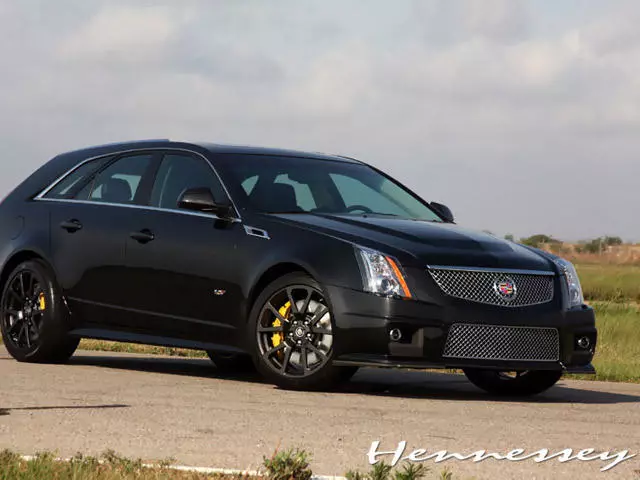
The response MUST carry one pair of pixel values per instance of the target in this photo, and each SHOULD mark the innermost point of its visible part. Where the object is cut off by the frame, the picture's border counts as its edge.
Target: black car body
(175, 244)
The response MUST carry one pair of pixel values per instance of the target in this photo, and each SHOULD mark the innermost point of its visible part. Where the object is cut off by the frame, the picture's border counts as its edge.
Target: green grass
(618, 350)
(106, 346)
(292, 464)
(610, 283)
(108, 467)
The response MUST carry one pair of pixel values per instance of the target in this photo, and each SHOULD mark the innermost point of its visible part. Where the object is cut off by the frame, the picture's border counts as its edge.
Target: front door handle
(71, 226)
(143, 236)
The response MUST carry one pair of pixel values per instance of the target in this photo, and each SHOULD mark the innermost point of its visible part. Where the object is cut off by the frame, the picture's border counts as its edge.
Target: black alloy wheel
(33, 318)
(294, 335)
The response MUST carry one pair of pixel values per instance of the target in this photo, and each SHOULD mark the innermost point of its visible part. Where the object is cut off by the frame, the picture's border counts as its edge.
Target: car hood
(426, 243)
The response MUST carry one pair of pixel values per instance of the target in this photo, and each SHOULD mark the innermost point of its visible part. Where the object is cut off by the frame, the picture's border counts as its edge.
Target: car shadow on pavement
(368, 381)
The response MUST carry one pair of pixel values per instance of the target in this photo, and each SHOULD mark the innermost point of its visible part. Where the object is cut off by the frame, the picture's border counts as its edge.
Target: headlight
(570, 276)
(381, 274)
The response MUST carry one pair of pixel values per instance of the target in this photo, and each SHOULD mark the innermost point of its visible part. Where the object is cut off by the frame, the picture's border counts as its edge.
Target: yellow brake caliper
(42, 302)
(278, 337)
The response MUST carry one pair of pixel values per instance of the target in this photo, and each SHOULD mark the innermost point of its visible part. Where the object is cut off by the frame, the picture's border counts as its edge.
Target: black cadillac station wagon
(306, 266)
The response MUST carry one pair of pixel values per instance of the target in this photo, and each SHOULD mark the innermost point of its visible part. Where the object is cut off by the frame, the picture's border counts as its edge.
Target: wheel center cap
(28, 310)
(299, 332)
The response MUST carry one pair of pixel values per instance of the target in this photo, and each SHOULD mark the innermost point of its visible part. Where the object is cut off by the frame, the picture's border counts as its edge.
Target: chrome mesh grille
(481, 286)
(497, 342)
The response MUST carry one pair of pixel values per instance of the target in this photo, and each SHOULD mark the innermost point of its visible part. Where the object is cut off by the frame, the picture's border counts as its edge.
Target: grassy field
(618, 351)
(610, 283)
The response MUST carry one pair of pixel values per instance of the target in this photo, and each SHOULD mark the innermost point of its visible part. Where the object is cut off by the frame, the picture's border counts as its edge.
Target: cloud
(513, 112)
(125, 34)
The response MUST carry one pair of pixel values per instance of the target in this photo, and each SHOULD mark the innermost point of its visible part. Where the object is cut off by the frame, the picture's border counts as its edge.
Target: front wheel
(521, 383)
(293, 335)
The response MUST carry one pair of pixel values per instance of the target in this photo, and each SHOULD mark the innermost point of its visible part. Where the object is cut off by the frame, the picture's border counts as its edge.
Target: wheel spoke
(303, 357)
(26, 335)
(31, 286)
(294, 307)
(23, 291)
(15, 295)
(13, 327)
(305, 305)
(317, 351)
(273, 310)
(321, 331)
(263, 329)
(318, 314)
(11, 312)
(285, 362)
(269, 353)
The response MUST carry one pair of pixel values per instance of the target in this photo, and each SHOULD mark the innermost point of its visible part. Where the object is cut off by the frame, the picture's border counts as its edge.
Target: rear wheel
(231, 362)
(33, 317)
(293, 335)
(522, 383)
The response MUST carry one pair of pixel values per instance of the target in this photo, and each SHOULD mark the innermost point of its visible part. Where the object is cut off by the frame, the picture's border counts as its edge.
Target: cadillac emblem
(505, 288)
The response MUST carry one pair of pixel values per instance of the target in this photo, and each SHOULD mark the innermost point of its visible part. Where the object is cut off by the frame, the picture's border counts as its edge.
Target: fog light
(584, 342)
(395, 334)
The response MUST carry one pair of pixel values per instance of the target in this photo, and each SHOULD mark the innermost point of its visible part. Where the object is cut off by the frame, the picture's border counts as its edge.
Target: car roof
(211, 147)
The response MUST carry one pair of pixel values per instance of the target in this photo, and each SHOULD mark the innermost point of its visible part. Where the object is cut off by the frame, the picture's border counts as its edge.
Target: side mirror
(442, 210)
(201, 200)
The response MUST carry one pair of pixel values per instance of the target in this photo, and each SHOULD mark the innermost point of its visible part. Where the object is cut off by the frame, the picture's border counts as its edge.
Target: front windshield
(302, 185)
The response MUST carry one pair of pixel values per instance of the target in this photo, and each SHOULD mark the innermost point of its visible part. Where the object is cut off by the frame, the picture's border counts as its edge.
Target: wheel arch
(270, 275)
(16, 259)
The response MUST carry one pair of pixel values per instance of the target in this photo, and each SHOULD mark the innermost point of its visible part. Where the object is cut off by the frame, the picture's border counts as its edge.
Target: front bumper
(363, 323)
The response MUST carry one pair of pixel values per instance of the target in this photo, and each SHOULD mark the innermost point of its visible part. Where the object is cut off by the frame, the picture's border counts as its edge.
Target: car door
(89, 221)
(181, 263)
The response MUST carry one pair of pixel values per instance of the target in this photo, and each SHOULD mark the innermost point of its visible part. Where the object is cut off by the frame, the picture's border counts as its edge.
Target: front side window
(298, 185)
(119, 182)
(179, 173)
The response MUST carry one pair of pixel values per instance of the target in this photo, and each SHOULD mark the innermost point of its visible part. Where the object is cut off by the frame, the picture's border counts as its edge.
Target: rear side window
(65, 187)
(119, 182)
(179, 173)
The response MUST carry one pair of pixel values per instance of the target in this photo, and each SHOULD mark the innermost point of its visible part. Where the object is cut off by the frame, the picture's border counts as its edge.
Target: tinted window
(356, 194)
(297, 184)
(68, 184)
(119, 182)
(304, 197)
(179, 173)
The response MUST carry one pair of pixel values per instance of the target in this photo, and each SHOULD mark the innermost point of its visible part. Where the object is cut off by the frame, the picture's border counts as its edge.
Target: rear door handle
(143, 236)
(71, 226)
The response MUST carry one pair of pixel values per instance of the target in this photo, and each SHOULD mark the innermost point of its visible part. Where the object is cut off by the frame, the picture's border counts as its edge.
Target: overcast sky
(522, 116)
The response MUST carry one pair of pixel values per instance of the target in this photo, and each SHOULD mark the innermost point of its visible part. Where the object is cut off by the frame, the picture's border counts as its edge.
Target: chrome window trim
(144, 207)
(493, 270)
(40, 196)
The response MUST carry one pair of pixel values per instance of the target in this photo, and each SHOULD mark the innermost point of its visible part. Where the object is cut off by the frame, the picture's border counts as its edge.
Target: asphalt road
(158, 407)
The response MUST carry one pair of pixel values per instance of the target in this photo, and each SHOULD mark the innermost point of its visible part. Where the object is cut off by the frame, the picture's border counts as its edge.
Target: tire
(231, 362)
(302, 345)
(519, 385)
(31, 334)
